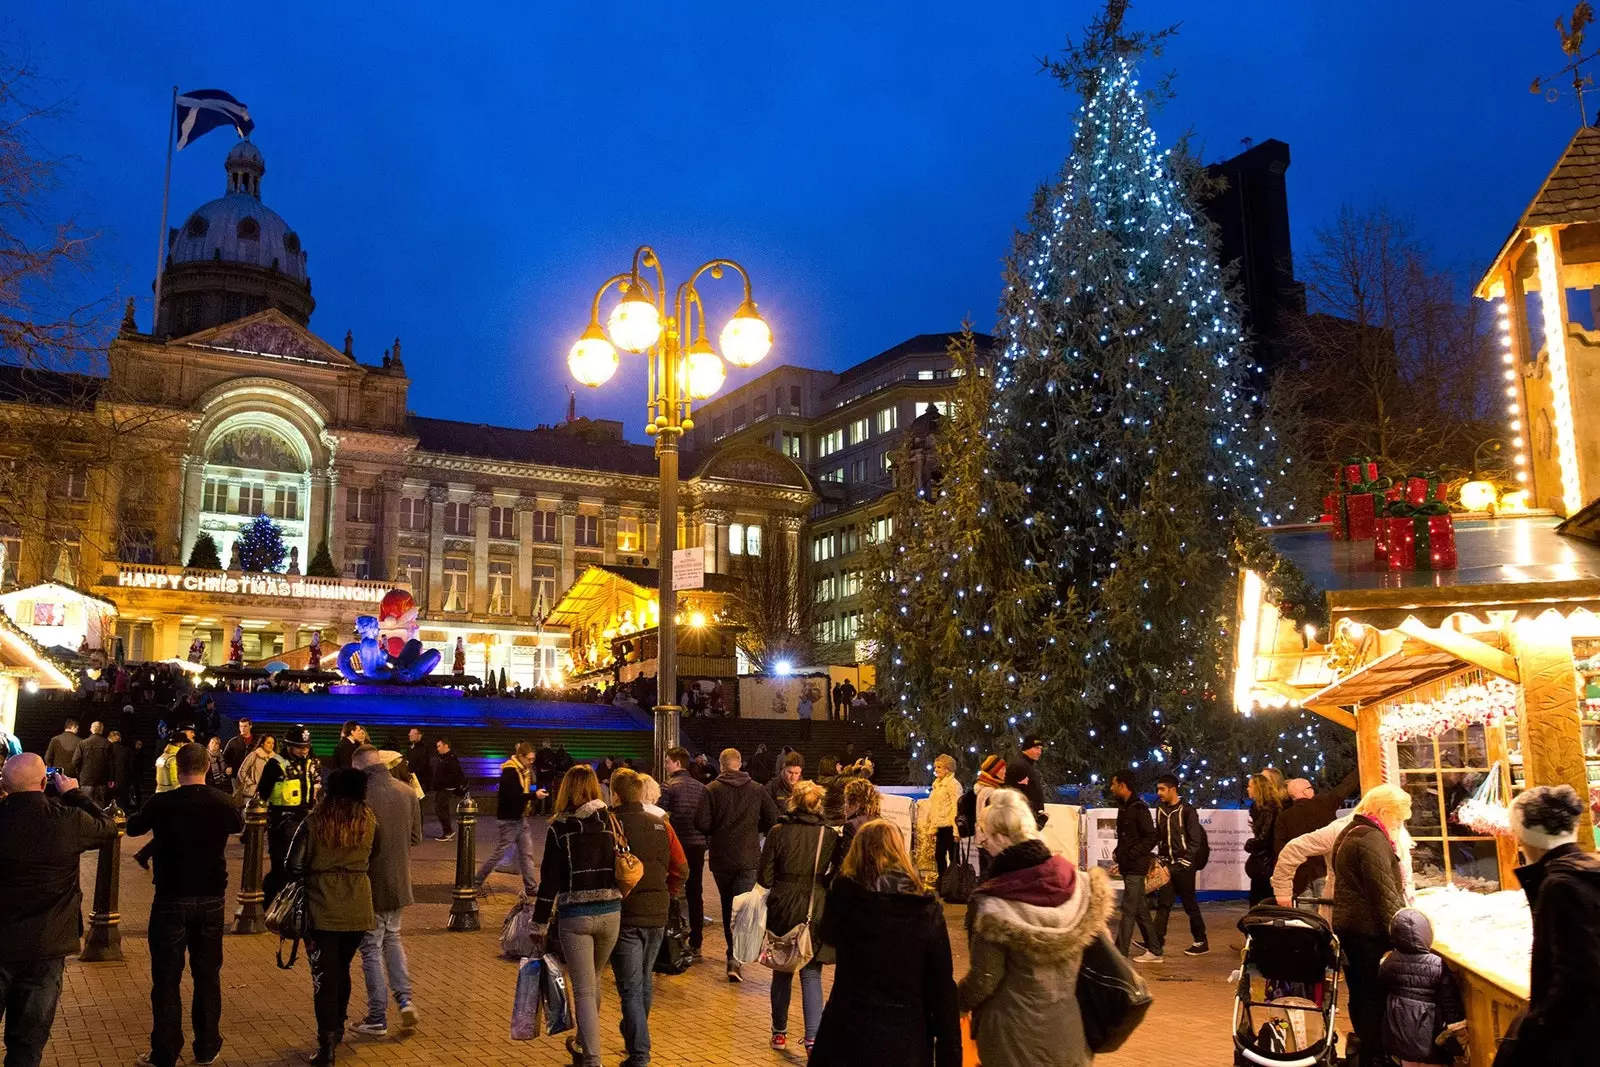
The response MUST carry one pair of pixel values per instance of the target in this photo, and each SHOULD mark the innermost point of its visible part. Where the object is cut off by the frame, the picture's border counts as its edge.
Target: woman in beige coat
(1027, 927)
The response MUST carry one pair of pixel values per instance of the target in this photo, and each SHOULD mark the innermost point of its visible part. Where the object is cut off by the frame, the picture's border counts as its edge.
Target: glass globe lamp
(634, 324)
(704, 371)
(593, 359)
(746, 339)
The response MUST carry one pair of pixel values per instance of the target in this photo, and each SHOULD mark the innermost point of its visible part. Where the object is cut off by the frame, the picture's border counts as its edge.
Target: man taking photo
(41, 905)
(192, 824)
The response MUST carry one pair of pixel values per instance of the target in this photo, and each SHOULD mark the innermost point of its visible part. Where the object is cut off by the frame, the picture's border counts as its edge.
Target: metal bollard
(464, 902)
(104, 943)
(250, 916)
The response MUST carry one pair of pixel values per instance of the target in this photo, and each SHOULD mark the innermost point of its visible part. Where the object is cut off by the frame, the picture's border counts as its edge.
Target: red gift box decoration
(1361, 516)
(1420, 538)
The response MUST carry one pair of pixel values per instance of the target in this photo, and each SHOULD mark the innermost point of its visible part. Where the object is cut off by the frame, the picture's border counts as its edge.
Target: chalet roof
(1570, 193)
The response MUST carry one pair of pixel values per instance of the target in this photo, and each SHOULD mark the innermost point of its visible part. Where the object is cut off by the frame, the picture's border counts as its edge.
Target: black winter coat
(1422, 997)
(1180, 837)
(1261, 855)
(41, 904)
(511, 800)
(894, 996)
(1022, 774)
(1136, 836)
(579, 863)
(1563, 889)
(94, 760)
(1368, 889)
(681, 799)
(1301, 817)
(791, 870)
(734, 815)
(444, 772)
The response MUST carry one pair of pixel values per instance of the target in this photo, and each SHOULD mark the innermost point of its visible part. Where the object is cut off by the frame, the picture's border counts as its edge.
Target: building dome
(238, 227)
(233, 257)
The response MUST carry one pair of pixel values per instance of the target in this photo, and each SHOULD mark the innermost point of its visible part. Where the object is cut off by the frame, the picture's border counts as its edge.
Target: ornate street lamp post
(643, 322)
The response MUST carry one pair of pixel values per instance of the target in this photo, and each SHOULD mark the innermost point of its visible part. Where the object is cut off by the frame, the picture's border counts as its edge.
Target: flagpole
(166, 191)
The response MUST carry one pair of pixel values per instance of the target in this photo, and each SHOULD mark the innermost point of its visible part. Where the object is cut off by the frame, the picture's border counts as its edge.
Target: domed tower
(233, 257)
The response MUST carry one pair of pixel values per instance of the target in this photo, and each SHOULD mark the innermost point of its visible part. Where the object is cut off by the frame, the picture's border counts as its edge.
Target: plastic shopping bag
(516, 933)
(749, 924)
(558, 1013)
(530, 993)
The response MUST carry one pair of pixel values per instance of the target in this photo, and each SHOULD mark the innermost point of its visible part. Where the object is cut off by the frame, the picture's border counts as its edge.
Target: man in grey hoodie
(383, 956)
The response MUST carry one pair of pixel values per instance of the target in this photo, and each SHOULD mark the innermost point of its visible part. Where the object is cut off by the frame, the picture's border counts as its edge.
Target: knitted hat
(1546, 816)
(991, 764)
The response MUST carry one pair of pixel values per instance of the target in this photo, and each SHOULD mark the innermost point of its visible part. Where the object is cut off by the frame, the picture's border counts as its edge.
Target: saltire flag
(203, 110)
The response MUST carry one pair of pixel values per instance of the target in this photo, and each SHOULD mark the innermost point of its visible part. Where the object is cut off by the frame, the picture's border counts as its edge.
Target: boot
(327, 1044)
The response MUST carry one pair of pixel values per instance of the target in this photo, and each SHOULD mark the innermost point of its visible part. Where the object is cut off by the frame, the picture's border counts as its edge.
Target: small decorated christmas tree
(321, 565)
(204, 554)
(261, 546)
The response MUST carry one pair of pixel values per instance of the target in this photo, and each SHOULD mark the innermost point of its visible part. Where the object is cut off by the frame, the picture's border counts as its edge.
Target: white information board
(688, 568)
(1227, 829)
(1060, 830)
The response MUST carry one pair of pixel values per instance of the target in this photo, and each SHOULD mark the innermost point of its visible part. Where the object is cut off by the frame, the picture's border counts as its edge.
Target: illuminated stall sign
(258, 585)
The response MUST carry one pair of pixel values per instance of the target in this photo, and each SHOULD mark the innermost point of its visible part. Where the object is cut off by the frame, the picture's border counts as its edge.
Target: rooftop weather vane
(1572, 45)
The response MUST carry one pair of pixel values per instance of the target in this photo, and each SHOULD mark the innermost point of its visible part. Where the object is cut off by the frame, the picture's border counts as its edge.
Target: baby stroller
(1288, 990)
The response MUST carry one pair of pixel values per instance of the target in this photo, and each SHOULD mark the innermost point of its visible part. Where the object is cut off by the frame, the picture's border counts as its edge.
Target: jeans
(633, 965)
(512, 834)
(694, 894)
(1135, 908)
(945, 855)
(194, 924)
(1181, 887)
(443, 802)
(382, 951)
(1362, 954)
(28, 994)
(729, 885)
(586, 942)
(329, 952)
(810, 998)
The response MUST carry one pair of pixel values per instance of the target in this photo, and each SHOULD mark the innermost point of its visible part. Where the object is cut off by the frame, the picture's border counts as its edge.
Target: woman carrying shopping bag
(796, 867)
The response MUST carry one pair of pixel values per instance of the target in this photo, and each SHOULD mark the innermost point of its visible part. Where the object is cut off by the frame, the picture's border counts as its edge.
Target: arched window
(291, 243)
(249, 229)
(196, 226)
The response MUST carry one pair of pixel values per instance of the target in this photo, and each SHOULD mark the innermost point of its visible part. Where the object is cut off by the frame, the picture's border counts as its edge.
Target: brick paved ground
(464, 993)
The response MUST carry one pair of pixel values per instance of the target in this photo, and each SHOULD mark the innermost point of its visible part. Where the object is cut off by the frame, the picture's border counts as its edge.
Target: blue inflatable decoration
(386, 648)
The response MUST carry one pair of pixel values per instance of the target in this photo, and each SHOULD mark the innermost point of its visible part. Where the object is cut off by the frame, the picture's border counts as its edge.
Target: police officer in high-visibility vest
(287, 781)
(167, 762)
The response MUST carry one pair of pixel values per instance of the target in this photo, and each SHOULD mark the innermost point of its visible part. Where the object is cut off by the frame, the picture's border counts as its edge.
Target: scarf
(1029, 873)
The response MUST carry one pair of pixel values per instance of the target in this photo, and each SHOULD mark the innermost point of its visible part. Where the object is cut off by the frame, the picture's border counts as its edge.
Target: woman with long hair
(331, 851)
(578, 878)
(862, 804)
(796, 865)
(255, 761)
(1027, 927)
(1267, 795)
(894, 996)
(216, 772)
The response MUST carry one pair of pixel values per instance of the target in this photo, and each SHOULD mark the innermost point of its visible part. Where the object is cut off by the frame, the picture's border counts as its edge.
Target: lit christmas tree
(261, 546)
(959, 623)
(1110, 495)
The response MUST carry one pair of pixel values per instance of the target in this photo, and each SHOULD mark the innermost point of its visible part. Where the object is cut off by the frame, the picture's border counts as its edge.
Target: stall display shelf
(1489, 934)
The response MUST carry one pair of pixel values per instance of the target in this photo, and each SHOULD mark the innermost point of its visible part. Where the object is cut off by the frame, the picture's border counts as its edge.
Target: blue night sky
(463, 175)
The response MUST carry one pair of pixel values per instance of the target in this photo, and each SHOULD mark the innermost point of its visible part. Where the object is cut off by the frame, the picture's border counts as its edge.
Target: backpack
(1203, 854)
(967, 814)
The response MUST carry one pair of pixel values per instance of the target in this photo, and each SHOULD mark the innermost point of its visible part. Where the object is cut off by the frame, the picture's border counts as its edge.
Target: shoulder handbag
(289, 913)
(959, 880)
(1112, 996)
(628, 867)
(1157, 877)
(793, 950)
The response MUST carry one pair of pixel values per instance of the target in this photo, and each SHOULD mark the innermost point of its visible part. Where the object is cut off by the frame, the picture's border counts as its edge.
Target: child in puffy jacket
(1423, 999)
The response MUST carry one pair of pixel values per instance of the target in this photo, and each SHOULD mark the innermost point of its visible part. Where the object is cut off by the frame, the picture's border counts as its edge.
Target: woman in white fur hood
(1027, 927)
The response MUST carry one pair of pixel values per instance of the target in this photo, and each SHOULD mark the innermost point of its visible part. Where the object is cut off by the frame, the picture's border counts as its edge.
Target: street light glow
(593, 359)
(783, 668)
(705, 372)
(746, 339)
(634, 323)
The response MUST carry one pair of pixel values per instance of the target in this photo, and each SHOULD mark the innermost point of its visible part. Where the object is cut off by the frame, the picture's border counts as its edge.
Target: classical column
(789, 529)
(481, 502)
(437, 494)
(386, 554)
(609, 513)
(316, 515)
(650, 532)
(522, 585)
(336, 518)
(713, 524)
(194, 474)
(568, 510)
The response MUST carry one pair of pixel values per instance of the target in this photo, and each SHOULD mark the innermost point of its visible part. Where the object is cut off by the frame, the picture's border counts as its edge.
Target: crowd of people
(828, 862)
